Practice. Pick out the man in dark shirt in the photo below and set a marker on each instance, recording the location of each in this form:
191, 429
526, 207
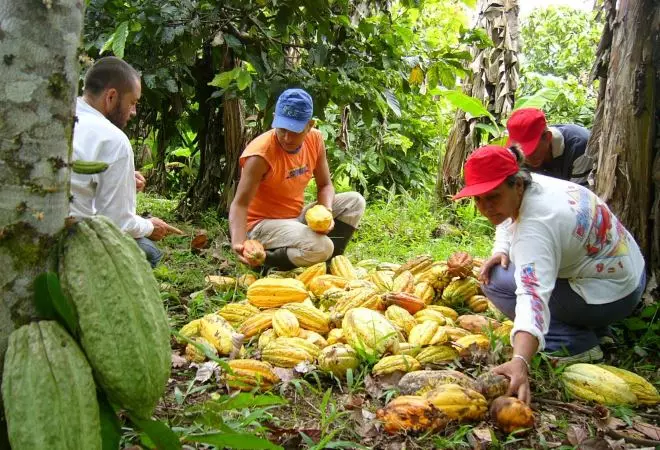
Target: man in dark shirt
557, 151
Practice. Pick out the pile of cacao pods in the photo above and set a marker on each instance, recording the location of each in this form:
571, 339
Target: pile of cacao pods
393, 317
119, 344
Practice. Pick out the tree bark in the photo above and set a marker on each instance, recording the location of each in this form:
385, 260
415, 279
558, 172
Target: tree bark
626, 153
38, 81
234, 124
493, 79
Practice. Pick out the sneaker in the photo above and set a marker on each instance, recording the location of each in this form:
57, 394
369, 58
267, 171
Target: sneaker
592, 355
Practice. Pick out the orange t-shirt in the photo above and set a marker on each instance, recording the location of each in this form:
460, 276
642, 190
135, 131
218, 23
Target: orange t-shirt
281, 193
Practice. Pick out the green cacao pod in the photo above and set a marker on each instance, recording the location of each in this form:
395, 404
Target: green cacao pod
123, 325
459, 291
48, 391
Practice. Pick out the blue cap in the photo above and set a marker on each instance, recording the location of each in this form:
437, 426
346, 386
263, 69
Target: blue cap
293, 110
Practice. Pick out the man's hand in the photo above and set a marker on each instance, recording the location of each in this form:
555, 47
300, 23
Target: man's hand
140, 181
487, 266
162, 229
516, 371
238, 249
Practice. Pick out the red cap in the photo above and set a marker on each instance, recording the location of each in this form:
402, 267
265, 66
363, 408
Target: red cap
526, 126
486, 168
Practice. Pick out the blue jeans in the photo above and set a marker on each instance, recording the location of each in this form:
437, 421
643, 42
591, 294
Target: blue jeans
575, 325
151, 251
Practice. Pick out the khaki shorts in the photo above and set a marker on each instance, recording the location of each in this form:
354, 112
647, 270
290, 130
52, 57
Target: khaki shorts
306, 247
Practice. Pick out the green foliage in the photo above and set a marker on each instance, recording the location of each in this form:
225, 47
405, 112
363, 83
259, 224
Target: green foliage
558, 51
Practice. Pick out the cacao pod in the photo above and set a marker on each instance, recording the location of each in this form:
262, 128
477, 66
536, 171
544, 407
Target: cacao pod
254, 252
416, 265
322, 283
477, 303
504, 332
383, 281
257, 324
404, 282
511, 414
361, 273
245, 280
477, 324
338, 359
646, 393
491, 385
591, 382
457, 402
358, 298
285, 323
369, 264
360, 284
318, 218
220, 283
437, 276
460, 264
407, 301
314, 338
404, 348
340, 266
123, 326
194, 354
336, 336
289, 352
273, 292
458, 291
237, 313
425, 292
426, 333
189, 330
310, 317
455, 333
401, 318
388, 266
423, 381
472, 344
395, 363
312, 272
444, 310
409, 413
248, 374
432, 315
48, 391
218, 332
369, 331
437, 354
266, 338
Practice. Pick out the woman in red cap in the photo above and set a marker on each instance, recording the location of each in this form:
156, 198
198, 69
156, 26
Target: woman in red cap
574, 269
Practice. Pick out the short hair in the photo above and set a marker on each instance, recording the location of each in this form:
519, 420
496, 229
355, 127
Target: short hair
110, 72
523, 173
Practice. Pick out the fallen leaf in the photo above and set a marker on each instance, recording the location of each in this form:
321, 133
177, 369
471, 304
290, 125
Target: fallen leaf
576, 434
200, 241
615, 423
650, 431
285, 375
206, 370
304, 367
595, 444
616, 445
178, 360
372, 388
353, 402
484, 434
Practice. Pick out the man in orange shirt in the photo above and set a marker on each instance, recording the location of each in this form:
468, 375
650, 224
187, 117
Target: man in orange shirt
269, 202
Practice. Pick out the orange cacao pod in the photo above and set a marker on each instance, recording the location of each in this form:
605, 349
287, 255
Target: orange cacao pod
460, 264
411, 413
254, 252
510, 414
409, 302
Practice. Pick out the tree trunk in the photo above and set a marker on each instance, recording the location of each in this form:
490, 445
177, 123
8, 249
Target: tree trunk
38, 78
234, 123
493, 80
626, 153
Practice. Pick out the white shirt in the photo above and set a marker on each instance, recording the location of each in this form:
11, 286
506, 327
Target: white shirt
111, 193
565, 231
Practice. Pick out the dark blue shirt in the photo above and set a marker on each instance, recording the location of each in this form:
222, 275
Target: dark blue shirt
572, 165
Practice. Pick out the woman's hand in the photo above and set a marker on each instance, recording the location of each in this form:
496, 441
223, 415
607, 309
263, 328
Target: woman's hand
487, 266
516, 371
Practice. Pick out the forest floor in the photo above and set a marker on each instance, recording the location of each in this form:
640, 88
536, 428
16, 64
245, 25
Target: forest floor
310, 410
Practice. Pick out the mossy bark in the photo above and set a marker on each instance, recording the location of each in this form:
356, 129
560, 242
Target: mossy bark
38, 79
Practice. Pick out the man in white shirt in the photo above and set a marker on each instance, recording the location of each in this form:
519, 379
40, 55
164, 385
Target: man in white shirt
112, 90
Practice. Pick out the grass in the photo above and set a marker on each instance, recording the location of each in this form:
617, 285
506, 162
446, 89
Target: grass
321, 412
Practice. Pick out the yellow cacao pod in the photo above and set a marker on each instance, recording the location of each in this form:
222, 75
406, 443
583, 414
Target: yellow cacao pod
358, 298
388, 266
646, 393
416, 265
422, 334
504, 331
336, 336
454, 333
312, 272
436, 354
425, 292
318, 218
218, 332
285, 323
404, 282
190, 330
245, 280
458, 403
404, 348
338, 359
383, 281
237, 313
289, 352
275, 292
360, 284
423, 381
444, 310
591, 382
369, 264
248, 374
472, 343
340, 266
459, 291
369, 331
395, 363
258, 323
401, 318
437, 276
193, 354
478, 303
221, 284
314, 338
430, 314
266, 338
322, 283
310, 317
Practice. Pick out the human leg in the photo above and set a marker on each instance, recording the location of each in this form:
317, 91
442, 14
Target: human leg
151, 251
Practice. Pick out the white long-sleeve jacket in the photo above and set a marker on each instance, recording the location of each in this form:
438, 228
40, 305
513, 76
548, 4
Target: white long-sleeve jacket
111, 193
565, 231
